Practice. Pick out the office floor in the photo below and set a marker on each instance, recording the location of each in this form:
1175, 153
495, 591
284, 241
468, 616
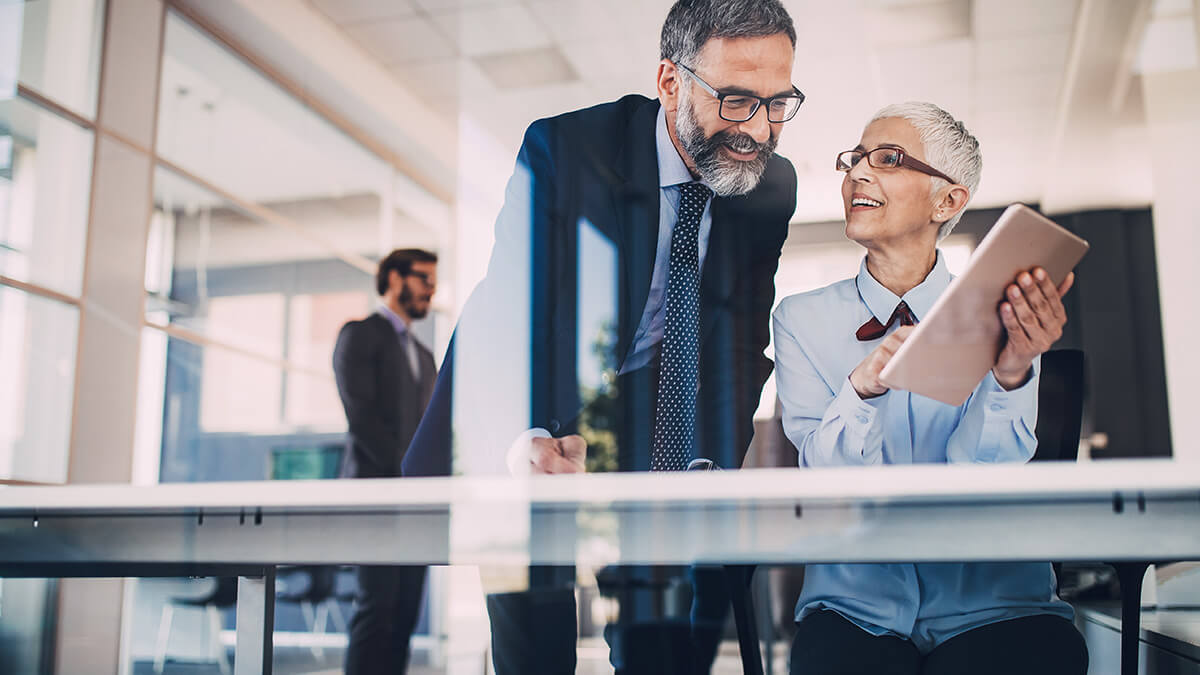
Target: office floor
593, 660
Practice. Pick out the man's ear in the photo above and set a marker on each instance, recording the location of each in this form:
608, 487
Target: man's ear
952, 200
395, 281
668, 85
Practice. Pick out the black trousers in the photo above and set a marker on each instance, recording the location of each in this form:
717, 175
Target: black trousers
827, 643
386, 606
534, 632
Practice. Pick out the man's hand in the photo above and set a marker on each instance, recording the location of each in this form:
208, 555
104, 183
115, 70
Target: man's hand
558, 455
1034, 316
865, 378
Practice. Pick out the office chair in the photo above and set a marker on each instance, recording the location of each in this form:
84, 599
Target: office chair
657, 630
222, 595
1060, 416
1060, 406
312, 588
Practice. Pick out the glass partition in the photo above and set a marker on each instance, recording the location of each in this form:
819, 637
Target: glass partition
53, 47
37, 353
297, 144
222, 120
45, 176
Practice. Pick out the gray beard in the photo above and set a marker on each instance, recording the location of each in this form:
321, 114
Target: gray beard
726, 176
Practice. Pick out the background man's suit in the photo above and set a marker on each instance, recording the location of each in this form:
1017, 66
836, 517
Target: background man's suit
596, 171
384, 400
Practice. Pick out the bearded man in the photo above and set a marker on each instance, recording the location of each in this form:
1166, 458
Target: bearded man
635, 256
385, 378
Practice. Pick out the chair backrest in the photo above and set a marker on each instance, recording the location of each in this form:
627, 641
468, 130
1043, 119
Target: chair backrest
222, 594
300, 583
1060, 405
304, 462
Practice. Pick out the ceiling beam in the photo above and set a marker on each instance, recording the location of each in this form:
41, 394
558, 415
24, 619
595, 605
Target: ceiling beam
1091, 161
315, 61
1129, 54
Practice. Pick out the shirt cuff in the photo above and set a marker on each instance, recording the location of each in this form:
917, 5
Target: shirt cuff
517, 458
1000, 403
858, 414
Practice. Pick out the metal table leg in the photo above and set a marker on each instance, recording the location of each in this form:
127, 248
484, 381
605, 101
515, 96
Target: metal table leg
255, 624
1130, 576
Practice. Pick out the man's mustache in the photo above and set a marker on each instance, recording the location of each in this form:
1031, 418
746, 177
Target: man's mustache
743, 142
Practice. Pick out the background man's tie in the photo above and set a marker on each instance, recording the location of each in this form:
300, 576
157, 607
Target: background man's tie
678, 379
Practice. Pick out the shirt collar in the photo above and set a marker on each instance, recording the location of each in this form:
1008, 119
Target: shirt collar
920, 299
672, 170
393, 318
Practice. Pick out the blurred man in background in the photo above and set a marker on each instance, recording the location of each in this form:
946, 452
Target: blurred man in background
385, 378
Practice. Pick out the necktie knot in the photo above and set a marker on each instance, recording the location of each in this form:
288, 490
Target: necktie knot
694, 193
873, 330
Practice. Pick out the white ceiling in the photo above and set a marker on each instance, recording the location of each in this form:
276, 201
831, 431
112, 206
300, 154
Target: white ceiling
1024, 75
999, 65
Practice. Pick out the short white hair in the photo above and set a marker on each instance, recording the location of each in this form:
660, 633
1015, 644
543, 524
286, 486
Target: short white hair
949, 147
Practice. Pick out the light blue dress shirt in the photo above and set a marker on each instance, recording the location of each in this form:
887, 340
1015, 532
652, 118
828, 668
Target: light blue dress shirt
672, 171
815, 352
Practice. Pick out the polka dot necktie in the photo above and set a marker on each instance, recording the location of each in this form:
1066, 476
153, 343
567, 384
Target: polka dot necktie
678, 379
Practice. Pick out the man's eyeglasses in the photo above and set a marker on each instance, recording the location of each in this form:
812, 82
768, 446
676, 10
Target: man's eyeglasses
887, 158
424, 277
741, 107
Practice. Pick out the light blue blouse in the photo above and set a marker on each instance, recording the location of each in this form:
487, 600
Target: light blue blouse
815, 351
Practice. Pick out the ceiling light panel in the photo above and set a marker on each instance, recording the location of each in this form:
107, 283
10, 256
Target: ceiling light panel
919, 24
493, 29
399, 41
357, 11
527, 68
1008, 18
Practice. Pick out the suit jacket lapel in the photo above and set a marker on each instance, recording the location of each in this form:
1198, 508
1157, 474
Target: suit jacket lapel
635, 202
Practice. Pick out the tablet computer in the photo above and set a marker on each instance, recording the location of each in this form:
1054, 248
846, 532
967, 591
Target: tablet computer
950, 352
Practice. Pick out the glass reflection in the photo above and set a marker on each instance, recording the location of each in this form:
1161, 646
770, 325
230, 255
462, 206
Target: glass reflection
53, 47
45, 176
216, 270
37, 355
222, 120
252, 311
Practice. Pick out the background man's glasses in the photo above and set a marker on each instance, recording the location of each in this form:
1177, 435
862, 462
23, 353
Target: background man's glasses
424, 277
741, 107
887, 158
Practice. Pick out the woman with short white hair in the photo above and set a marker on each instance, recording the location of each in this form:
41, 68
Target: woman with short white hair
905, 187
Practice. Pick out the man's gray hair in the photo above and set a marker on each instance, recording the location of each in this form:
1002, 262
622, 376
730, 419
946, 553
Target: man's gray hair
949, 147
692, 23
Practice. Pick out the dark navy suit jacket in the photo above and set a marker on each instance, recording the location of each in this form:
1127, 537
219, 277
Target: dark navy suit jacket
599, 166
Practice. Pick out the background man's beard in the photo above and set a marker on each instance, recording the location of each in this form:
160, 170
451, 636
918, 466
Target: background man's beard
408, 304
726, 176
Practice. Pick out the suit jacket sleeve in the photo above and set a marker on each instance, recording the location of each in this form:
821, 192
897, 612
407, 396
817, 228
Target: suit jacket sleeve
353, 367
481, 402
754, 314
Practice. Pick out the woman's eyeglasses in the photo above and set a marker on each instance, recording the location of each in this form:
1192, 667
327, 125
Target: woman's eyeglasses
887, 158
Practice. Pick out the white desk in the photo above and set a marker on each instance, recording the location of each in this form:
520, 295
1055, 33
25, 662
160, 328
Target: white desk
1104, 511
